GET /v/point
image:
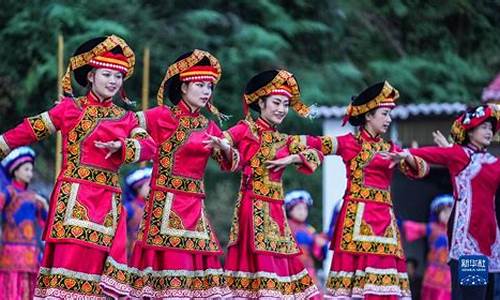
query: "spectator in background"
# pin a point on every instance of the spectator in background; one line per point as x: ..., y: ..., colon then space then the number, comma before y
x: 312, y: 243
x: 437, y: 277
x: 23, y: 215
x: 136, y: 192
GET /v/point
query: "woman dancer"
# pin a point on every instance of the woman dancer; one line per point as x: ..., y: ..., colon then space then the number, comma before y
x: 177, y: 253
x: 368, y: 260
x: 85, y: 251
x: 475, y: 175
x: 263, y: 256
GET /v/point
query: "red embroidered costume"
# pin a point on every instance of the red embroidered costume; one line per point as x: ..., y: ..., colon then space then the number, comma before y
x: 368, y: 259
x: 263, y: 257
x: 177, y: 253
x: 475, y: 176
x: 85, y: 252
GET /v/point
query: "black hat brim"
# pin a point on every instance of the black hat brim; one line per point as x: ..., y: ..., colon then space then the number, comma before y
x: 172, y: 86
x: 80, y: 74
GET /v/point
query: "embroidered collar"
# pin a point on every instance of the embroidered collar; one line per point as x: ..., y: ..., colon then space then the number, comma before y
x: 367, y: 136
x: 263, y: 125
x: 92, y: 99
x: 186, y: 110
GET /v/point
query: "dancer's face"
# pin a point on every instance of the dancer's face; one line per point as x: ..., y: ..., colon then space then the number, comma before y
x: 379, y: 121
x: 143, y: 190
x: 444, y: 215
x: 196, y: 94
x: 299, y: 212
x: 482, y: 135
x: 274, y: 108
x: 105, y: 82
x: 24, y: 173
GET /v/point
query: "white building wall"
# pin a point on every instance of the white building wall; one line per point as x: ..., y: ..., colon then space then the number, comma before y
x: 334, y: 178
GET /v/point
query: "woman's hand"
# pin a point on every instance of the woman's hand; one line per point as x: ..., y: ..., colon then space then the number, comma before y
x: 112, y: 146
x: 321, y: 239
x: 440, y: 140
x: 395, y: 157
x: 281, y: 163
x: 213, y: 142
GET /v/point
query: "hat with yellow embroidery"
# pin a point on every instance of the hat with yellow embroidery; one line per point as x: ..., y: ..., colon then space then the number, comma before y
x: 196, y: 65
x: 472, y: 118
x: 274, y: 82
x: 380, y: 94
x: 110, y: 52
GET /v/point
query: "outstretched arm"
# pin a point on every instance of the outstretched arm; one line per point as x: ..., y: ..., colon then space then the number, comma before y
x: 410, y: 165
x: 35, y: 128
x: 139, y: 146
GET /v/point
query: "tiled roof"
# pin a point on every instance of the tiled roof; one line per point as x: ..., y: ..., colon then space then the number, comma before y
x: 401, y: 112
x: 492, y: 92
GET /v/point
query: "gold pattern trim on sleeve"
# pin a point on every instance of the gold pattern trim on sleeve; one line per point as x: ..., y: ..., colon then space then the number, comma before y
x: 132, y: 151
x: 235, y: 162
x: 142, y: 120
x: 311, y: 158
x: 48, y: 121
x: 41, y: 125
x: 228, y: 137
x: 329, y: 145
x: 138, y: 132
x: 422, y: 168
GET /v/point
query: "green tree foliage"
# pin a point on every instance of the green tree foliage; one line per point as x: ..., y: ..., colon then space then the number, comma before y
x: 430, y: 50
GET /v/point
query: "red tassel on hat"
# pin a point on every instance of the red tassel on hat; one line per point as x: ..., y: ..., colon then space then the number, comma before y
x: 245, y: 106
x: 123, y: 96
x: 347, y: 115
x: 345, y: 119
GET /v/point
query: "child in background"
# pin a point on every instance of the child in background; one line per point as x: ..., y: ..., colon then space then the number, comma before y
x: 136, y: 193
x: 437, y: 278
x: 312, y: 243
x: 23, y: 215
